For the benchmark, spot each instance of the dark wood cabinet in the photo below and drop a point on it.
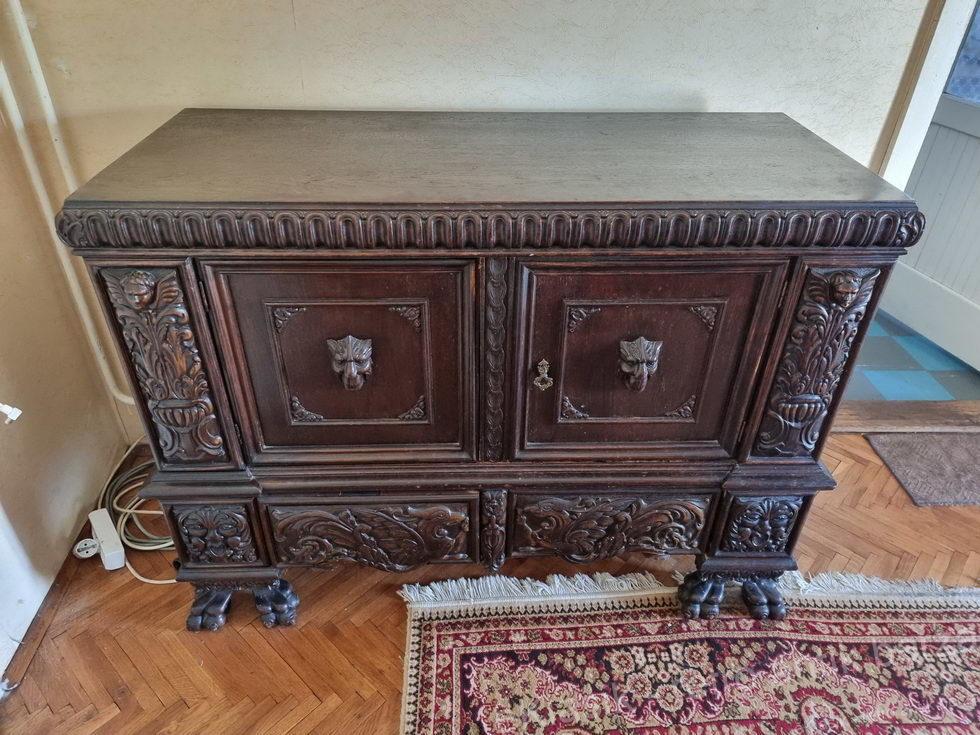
(401, 338)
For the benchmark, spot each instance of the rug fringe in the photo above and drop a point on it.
(497, 593)
(499, 590)
(844, 583)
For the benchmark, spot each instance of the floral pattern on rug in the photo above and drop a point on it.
(644, 670)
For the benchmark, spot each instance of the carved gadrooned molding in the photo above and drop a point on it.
(588, 527)
(154, 322)
(216, 534)
(392, 537)
(489, 228)
(825, 325)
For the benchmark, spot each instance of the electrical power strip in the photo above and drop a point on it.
(105, 541)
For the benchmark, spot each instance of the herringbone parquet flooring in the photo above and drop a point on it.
(116, 658)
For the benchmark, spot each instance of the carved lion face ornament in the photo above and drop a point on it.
(351, 360)
(638, 360)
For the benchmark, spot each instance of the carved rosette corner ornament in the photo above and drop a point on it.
(589, 528)
(394, 538)
(826, 323)
(578, 314)
(282, 314)
(154, 322)
(216, 534)
(493, 528)
(413, 314)
(416, 412)
(760, 524)
(706, 313)
(571, 412)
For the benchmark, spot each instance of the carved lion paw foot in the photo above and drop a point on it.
(763, 598)
(276, 603)
(209, 609)
(701, 596)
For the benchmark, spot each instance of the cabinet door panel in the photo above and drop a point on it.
(627, 359)
(346, 362)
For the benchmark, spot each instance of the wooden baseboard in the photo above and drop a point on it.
(863, 417)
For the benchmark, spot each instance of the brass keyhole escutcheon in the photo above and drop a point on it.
(543, 381)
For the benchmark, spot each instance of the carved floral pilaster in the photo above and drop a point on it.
(826, 322)
(153, 318)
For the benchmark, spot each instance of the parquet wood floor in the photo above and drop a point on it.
(114, 656)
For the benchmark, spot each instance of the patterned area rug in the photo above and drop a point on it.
(612, 655)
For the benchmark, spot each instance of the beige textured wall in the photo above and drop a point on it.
(118, 68)
(55, 457)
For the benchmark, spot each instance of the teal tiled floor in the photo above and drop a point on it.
(897, 364)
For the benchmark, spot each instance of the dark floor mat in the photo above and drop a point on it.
(935, 469)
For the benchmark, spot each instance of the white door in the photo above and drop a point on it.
(935, 289)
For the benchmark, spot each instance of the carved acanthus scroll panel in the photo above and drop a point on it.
(582, 528)
(394, 537)
(826, 322)
(163, 349)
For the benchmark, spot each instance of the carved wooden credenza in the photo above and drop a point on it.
(402, 338)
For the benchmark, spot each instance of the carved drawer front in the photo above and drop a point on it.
(584, 528)
(341, 361)
(393, 536)
(631, 359)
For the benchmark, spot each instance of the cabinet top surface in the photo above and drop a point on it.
(204, 157)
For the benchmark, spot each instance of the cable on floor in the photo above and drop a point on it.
(120, 496)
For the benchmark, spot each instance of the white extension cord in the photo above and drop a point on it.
(120, 498)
